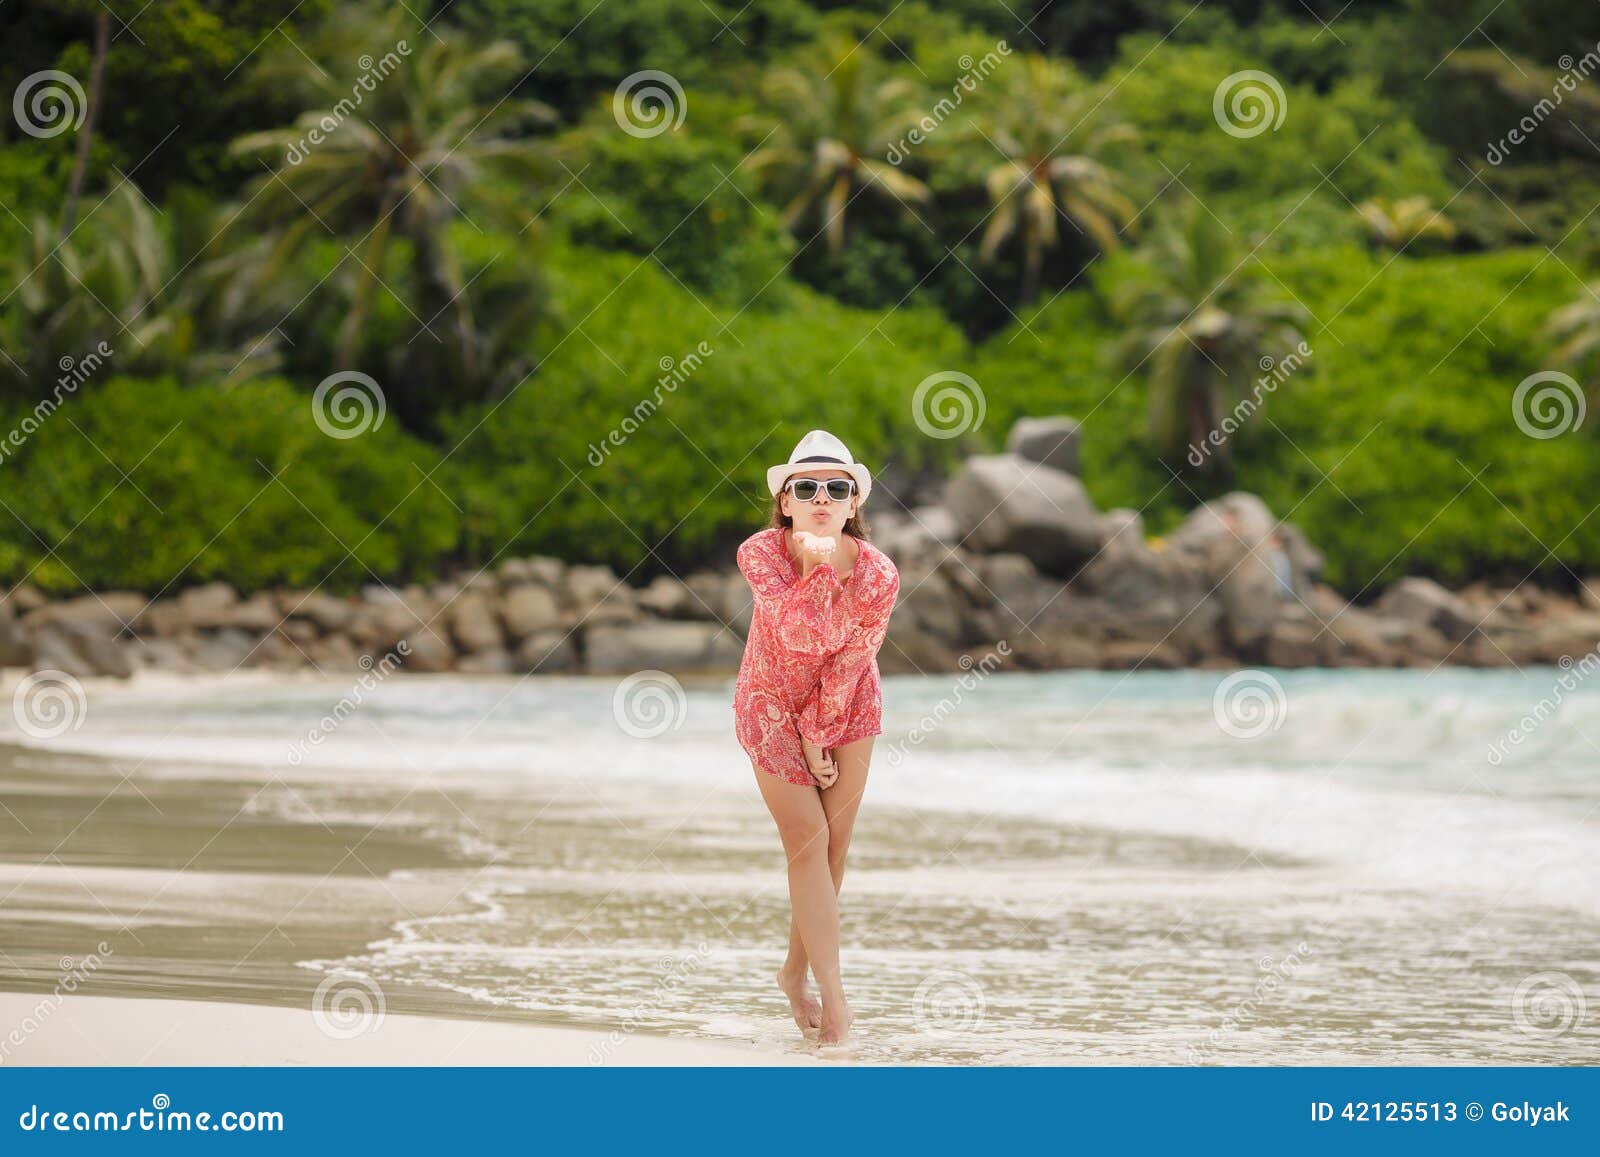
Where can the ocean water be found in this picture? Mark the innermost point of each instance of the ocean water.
(1082, 867)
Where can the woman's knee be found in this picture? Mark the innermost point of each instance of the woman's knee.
(804, 840)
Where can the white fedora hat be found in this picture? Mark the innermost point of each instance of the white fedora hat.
(819, 450)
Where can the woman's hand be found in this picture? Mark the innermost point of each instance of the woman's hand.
(814, 549)
(820, 761)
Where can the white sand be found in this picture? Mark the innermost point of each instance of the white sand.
(41, 1029)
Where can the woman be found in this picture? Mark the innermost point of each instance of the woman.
(808, 701)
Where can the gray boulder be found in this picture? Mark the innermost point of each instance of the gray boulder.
(1423, 602)
(669, 646)
(1051, 441)
(81, 649)
(1003, 502)
(494, 661)
(667, 597)
(546, 652)
(528, 609)
(472, 623)
(595, 595)
(208, 605)
(427, 652)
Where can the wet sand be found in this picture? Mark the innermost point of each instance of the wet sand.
(165, 921)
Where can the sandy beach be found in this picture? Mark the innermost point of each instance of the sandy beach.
(135, 1031)
(487, 871)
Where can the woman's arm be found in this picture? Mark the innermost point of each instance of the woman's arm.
(822, 719)
(805, 614)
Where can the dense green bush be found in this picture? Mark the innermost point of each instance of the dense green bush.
(683, 476)
(149, 485)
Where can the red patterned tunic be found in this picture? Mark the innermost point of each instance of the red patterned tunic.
(810, 663)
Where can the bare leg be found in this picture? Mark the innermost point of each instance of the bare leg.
(803, 828)
(840, 804)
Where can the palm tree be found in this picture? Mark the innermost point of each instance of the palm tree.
(417, 138)
(1399, 223)
(1043, 118)
(836, 118)
(123, 277)
(1201, 317)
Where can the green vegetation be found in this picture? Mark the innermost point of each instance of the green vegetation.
(594, 312)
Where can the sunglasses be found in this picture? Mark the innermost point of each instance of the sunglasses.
(805, 489)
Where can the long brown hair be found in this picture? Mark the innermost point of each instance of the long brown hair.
(855, 525)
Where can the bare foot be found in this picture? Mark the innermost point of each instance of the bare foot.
(836, 1021)
(807, 1009)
